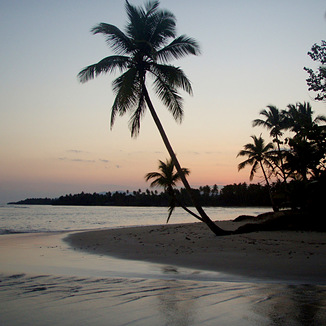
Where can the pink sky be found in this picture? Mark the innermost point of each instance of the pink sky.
(55, 135)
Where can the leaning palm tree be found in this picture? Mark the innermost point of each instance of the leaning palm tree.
(148, 43)
(275, 122)
(167, 178)
(260, 156)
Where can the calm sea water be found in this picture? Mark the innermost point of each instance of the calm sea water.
(22, 218)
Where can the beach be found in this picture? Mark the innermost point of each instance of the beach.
(290, 256)
(178, 274)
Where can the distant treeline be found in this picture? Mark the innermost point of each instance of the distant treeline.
(231, 195)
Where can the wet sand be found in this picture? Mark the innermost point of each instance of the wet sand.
(27, 300)
(46, 281)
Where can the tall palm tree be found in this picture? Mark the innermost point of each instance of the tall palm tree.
(167, 178)
(308, 144)
(275, 122)
(300, 119)
(259, 155)
(144, 49)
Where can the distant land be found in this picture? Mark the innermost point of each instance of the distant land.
(230, 195)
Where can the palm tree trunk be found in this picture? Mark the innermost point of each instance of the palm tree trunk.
(275, 208)
(282, 164)
(213, 227)
(172, 193)
(286, 188)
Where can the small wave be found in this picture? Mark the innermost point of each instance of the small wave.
(2, 232)
(7, 231)
(15, 206)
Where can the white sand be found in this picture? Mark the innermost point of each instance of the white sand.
(278, 255)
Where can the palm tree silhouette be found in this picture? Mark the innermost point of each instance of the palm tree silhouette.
(275, 122)
(167, 178)
(259, 155)
(308, 143)
(299, 119)
(144, 49)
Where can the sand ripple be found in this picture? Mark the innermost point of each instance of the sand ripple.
(59, 300)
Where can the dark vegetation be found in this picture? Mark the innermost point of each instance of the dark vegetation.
(317, 79)
(240, 194)
(295, 159)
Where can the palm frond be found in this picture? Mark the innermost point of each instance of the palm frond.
(136, 20)
(134, 122)
(163, 28)
(275, 121)
(171, 75)
(159, 182)
(243, 164)
(244, 152)
(151, 7)
(150, 25)
(178, 48)
(170, 98)
(106, 65)
(268, 148)
(176, 177)
(167, 80)
(115, 38)
(250, 148)
(126, 88)
(259, 123)
(152, 175)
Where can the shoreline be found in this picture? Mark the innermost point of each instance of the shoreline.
(291, 256)
(41, 273)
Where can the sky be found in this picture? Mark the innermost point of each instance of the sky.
(55, 136)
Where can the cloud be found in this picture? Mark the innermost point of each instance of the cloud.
(193, 153)
(75, 160)
(75, 151)
(82, 160)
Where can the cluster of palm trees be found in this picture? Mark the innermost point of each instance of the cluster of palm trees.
(143, 50)
(296, 155)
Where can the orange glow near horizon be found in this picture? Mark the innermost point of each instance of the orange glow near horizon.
(55, 132)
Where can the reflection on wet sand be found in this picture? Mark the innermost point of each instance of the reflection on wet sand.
(57, 300)
(43, 282)
(293, 305)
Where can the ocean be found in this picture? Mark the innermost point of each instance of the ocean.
(44, 218)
